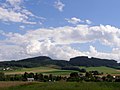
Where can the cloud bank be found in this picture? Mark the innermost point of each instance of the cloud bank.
(56, 42)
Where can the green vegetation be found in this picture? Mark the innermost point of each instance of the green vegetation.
(7, 84)
(44, 70)
(67, 86)
(34, 70)
(60, 72)
(56, 71)
(105, 70)
(44, 61)
(52, 78)
(50, 70)
(48, 74)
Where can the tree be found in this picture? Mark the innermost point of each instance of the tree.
(25, 76)
(83, 70)
(88, 74)
(51, 77)
(40, 77)
(31, 75)
(74, 74)
(109, 78)
(2, 76)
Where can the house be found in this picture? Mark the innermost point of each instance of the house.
(30, 79)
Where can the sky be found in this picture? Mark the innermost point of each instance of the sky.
(60, 29)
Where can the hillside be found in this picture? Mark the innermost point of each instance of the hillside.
(34, 62)
(85, 61)
(44, 61)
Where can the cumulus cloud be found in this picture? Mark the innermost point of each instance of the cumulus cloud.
(15, 11)
(55, 42)
(59, 5)
(9, 15)
(74, 20)
(94, 53)
(93, 50)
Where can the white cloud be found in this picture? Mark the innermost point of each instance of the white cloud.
(22, 27)
(93, 50)
(55, 42)
(94, 53)
(74, 20)
(88, 21)
(59, 5)
(15, 11)
(8, 15)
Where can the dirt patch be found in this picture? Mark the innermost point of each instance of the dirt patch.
(118, 70)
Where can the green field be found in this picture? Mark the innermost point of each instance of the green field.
(44, 70)
(105, 70)
(60, 72)
(62, 85)
(66, 86)
(54, 71)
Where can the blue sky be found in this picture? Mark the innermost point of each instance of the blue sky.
(67, 28)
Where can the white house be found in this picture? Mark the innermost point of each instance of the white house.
(30, 79)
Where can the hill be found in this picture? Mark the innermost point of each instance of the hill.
(85, 61)
(34, 62)
(44, 61)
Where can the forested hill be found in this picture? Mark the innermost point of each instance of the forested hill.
(85, 61)
(44, 61)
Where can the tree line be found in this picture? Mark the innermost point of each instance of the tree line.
(91, 76)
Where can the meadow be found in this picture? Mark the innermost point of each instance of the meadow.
(43, 70)
(66, 86)
(105, 70)
(61, 85)
(7, 84)
(57, 71)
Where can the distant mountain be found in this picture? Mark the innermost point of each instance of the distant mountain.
(44, 61)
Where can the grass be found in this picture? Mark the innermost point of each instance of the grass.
(34, 70)
(44, 70)
(60, 85)
(60, 72)
(51, 70)
(7, 84)
(68, 86)
(105, 70)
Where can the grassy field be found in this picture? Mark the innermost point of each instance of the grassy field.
(34, 70)
(7, 84)
(67, 86)
(60, 85)
(50, 70)
(60, 72)
(105, 70)
(44, 70)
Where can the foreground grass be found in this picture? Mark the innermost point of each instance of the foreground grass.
(6, 84)
(67, 86)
